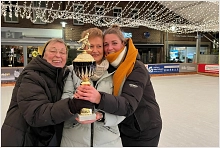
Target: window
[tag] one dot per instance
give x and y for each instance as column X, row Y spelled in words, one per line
column 184, row 54
column 11, row 17
column 41, row 5
column 32, row 51
column 78, row 11
column 12, row 56
column 134, row 15
column 117, row 12
column 150, row 15
column 177, row 20
column 99, row 10
column 153, row 15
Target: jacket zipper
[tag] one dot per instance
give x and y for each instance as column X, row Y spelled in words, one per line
column 92, row 134
column 56, row 84
column 103, row 78
column 92, row 124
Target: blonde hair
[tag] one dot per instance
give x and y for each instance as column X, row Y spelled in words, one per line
column 115, row 29
column 93, row 32
column 54, row 40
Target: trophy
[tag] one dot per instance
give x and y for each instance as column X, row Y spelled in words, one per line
column 84, row 66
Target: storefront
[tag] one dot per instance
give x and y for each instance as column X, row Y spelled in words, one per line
column 18, row 55
column 150, row 53
column 19, row 46
column 185, row 53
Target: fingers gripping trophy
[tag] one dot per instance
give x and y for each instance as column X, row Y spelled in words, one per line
column 84, row 66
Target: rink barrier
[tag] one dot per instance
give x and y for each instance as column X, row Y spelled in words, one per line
column 169, row 69
column 9, row 75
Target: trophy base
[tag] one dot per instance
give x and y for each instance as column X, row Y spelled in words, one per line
column 87, row 117
column 86, row 83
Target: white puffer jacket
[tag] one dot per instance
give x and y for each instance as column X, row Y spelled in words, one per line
column 105, row 134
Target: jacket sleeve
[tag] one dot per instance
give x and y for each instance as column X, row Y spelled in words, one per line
column 132, row 92
column 33, row 102
column 112, row 120
column 71, row 84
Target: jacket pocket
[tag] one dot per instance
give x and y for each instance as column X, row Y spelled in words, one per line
column 136, row 124
column 111, row 129
column 39, row 136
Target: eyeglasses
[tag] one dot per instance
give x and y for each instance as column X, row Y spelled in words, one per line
column 62, row 52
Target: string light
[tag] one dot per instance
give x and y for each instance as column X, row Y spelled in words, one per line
column 169, row 16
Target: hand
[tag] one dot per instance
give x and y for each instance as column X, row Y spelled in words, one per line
column 85, row 122
column 76, row 105
column 98, row 117
column 89, row 93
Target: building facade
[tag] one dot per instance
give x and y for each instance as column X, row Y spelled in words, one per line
column 21, row 39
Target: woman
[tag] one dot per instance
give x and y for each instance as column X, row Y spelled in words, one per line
column 36, row 113
column 134, row 95
column 102, row 132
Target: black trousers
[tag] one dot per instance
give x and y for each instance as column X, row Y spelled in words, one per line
column 146, row 138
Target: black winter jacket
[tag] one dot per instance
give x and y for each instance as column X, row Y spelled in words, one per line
column 34, row 115
column 137, row 102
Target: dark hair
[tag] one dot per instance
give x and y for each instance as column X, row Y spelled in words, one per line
column 115, row 29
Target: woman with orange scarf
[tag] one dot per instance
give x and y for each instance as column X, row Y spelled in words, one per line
column 133, row 93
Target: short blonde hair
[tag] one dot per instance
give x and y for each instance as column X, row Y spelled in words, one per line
column 93, row 32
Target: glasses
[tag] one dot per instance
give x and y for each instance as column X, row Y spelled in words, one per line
column 62, row 52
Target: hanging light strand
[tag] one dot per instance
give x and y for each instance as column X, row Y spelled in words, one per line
column 185, row 17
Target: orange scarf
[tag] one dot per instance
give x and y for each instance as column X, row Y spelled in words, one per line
column 125, row 67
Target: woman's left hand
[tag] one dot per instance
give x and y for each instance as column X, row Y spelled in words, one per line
column 86, row 121
column 98, row 117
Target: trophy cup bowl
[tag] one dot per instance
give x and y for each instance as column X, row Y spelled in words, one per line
column 84, row 66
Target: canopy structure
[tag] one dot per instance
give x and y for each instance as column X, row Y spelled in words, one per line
column 170, row 16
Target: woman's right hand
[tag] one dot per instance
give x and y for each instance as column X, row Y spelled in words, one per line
column 87, row 92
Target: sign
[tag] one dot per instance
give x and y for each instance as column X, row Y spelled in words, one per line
column 146, row 34
column 183, row 36
column 187, row 67
column 127, row 34
column 208, row 68
column 163, row 68
column 11, row 35
column 10, row 74
column 212, row 68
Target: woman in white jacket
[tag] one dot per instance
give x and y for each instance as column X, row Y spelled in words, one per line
column 104, row 131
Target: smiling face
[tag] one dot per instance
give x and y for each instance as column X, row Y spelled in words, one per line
column 56, row 54
column 112, row 43
column 96, row 45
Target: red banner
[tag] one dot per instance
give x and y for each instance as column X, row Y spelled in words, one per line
column 209, row 68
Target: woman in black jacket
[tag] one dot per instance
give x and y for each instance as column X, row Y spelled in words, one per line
column 134, row 95
column 36, row 113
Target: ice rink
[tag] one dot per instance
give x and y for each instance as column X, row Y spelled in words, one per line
column 189, row 108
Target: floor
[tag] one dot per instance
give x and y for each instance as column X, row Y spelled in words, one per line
column 189, row 108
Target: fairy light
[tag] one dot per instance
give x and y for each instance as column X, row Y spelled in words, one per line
column 185, row 16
